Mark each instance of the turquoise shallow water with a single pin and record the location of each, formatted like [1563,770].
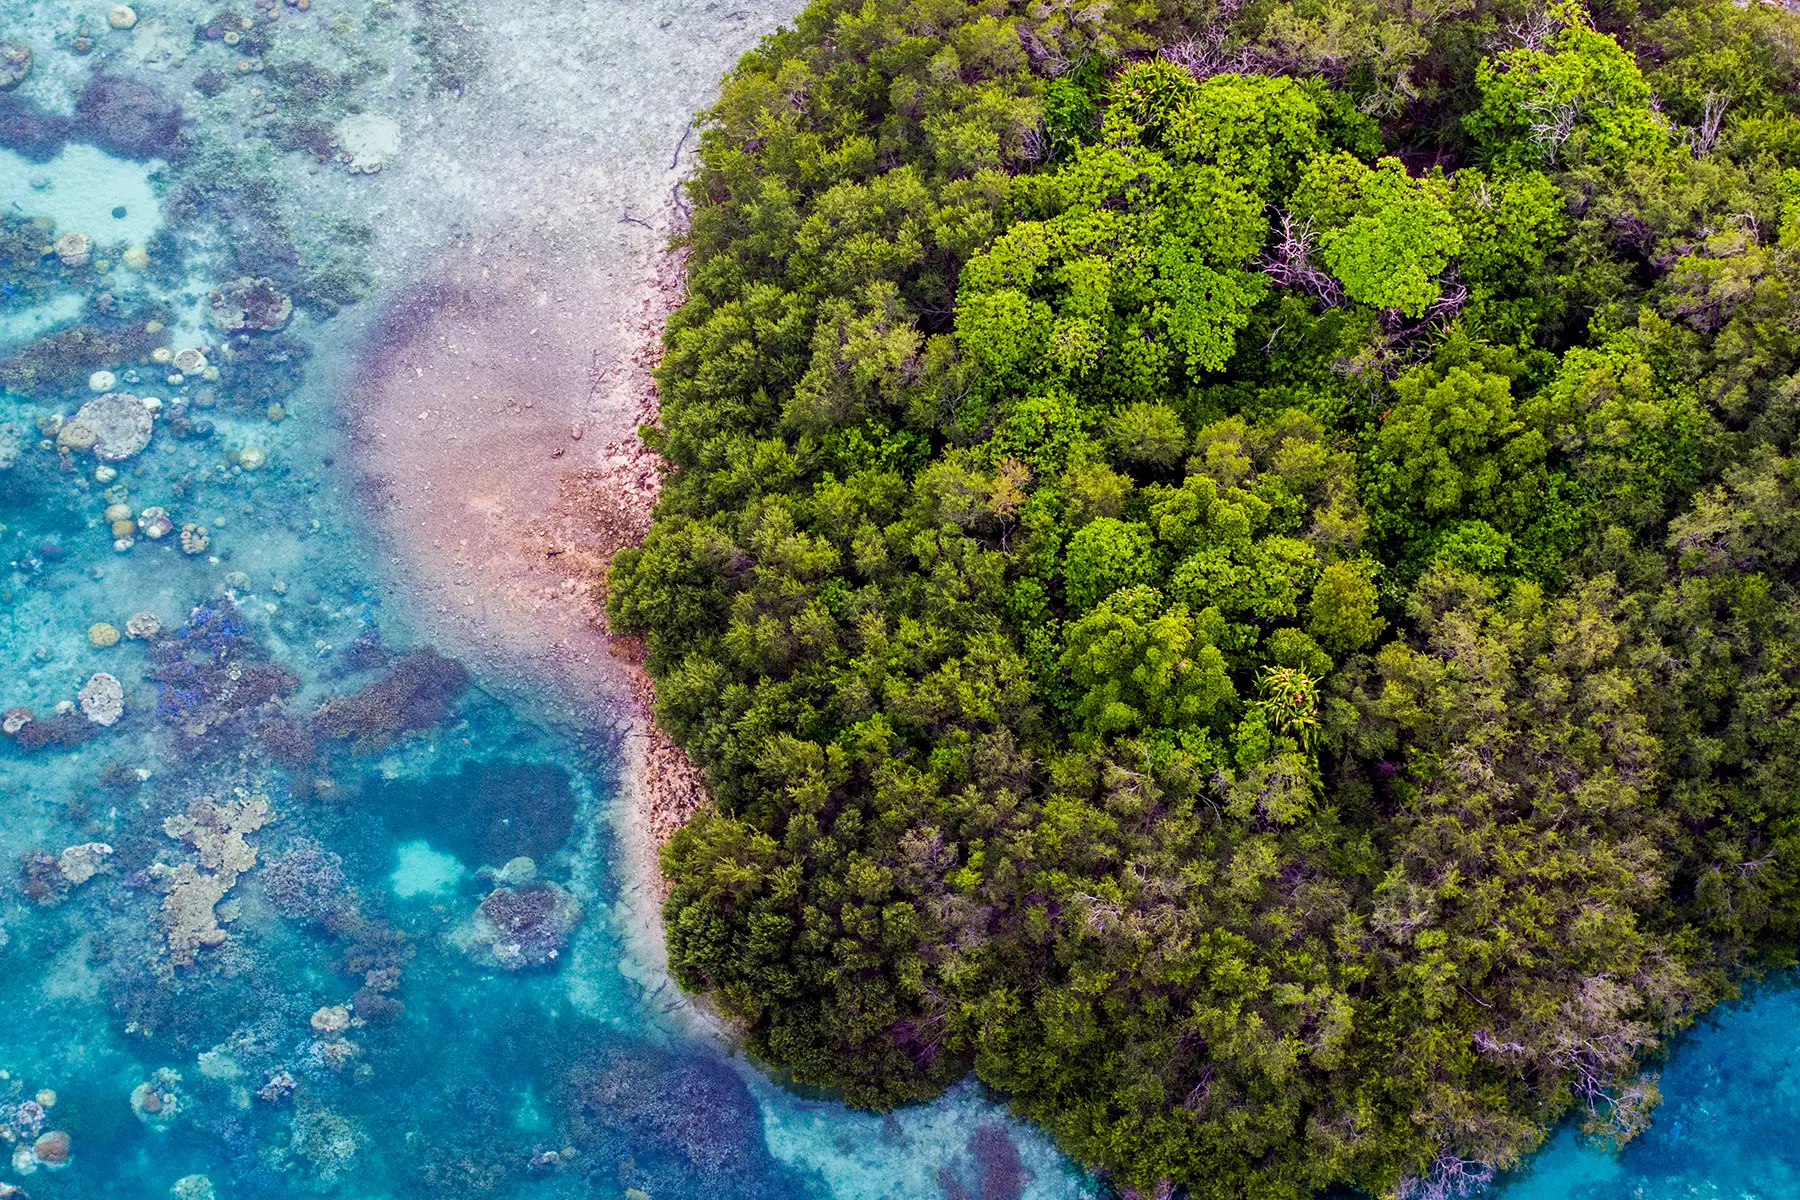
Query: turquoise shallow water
[1725,1128]
[321,912]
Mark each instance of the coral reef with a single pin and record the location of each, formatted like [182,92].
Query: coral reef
[48,879]
[288,741]
[217,832]
[279,1087]
[52,1149]
[44,367]
[9,445]
[102,698]
[42,877]
[22,1120]
[514,928]
[248,304]
[372,1002]
[694,1110]
[304,882]
[155,523]
[64,729]
[81,863]
[415,694]
[33,134]
[324,1141]
[157,1101]
[126,117]
[254,372]
[213,671]
[193,1187]
[331,1019]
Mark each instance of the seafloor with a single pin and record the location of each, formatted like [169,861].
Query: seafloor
[347,900]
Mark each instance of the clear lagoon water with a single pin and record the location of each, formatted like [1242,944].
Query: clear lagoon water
[333,907]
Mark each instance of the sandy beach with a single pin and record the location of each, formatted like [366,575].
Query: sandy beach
[493,425]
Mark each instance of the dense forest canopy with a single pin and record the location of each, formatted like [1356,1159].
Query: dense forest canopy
[1234,570]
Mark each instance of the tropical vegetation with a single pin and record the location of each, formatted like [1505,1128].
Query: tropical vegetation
[1234,570]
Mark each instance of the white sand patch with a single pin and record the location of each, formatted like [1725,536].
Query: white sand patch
[420,870]
[79,189]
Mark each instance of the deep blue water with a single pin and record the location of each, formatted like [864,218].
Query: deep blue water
[321,913]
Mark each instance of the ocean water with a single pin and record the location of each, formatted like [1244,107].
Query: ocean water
[1726,1125]
[342,902]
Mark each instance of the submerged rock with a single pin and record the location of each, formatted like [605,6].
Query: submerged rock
[52,1149]
[74,248]
[367,142]
[247,303]
[15,64]
[115,426]
[522,927]
[193,1187]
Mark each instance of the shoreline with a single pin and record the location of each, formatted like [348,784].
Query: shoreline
[494,438]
